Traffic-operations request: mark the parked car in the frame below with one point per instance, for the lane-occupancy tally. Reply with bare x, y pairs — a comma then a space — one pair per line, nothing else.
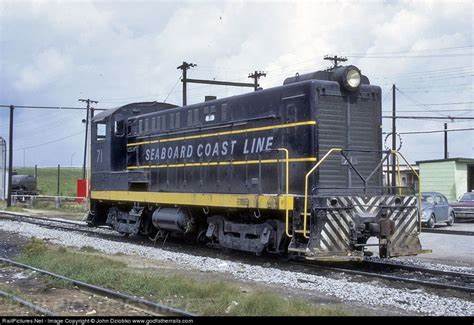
435, 209
464, 208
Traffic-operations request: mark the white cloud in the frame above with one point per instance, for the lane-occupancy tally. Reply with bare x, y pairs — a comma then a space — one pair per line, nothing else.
54, 52
49, 66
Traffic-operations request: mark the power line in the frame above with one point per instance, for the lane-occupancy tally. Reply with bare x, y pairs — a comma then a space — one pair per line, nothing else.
438, 110
422, 50
408, 56
433, 131
49, 142
424, 106
53, 107
460, 68
443, 104
431, 117
177, 81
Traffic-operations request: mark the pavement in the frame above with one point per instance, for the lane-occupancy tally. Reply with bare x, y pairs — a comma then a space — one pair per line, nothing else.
449, 249
457, 250
460, 226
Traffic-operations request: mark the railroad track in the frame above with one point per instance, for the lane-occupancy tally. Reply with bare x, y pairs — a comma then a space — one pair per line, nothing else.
414, 268
32, 306
81, 224
54, 223
465, 281
375, 269
143, 304
448, 232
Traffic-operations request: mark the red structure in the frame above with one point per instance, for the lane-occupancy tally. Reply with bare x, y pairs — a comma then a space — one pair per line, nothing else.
82, 189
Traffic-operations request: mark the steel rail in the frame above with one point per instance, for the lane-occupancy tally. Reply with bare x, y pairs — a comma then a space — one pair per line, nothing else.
20, 215
55, 224
38, 309
162, 309
420, 269
448, 232
395, 278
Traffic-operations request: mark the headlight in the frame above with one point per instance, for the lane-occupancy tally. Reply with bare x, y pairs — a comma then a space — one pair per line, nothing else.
348, 77
353, 78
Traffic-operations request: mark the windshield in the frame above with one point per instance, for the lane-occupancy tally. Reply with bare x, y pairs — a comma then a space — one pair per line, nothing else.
467, 197
427, 199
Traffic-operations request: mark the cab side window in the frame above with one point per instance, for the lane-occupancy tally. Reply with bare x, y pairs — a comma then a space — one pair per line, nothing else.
119, 128
101, 131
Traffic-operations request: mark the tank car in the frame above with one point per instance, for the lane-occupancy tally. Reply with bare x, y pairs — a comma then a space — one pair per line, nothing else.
294, 169
23, 184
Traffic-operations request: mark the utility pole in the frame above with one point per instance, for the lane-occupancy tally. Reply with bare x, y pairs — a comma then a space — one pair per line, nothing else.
88, 101
185, 66
58, 184
335, 59
394, 138
446, 141
255, 76
10, 158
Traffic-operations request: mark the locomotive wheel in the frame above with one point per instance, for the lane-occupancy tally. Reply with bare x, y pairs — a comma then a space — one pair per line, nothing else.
201, 238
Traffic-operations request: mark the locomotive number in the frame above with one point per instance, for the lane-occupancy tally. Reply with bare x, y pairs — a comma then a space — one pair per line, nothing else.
99, 159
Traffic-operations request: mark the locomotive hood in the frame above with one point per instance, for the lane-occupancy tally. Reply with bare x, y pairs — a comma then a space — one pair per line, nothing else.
132, 109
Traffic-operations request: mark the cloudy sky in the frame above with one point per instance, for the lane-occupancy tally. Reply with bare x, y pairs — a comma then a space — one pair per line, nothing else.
55, 52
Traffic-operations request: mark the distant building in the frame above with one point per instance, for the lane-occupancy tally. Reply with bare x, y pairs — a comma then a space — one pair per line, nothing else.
451, 177
407, 177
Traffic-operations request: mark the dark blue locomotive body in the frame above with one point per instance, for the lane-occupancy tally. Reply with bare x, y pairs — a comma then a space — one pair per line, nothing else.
242, 170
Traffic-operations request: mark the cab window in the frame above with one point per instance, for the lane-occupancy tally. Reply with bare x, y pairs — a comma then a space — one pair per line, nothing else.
101, 131
119, 128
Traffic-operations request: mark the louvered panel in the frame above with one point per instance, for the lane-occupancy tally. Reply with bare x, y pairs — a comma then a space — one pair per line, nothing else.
350, 126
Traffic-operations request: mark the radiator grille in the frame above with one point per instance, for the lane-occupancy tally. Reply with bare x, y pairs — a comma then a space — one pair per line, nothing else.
352, 125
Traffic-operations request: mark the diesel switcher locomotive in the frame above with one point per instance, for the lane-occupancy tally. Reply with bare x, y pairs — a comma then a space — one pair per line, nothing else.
295, 169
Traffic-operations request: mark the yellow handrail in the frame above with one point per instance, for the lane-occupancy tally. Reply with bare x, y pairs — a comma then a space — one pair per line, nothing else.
287, 185
306, 186
419, 186
399, 178
396, 153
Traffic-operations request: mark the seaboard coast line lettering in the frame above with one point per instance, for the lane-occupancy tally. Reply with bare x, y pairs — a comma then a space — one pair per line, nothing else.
214, 149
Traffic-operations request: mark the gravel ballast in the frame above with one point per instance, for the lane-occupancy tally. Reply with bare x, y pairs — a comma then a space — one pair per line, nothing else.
367, 293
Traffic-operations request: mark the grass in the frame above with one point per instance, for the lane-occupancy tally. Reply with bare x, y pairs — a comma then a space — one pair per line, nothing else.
3, 206
48, 178
65, 206
204, 297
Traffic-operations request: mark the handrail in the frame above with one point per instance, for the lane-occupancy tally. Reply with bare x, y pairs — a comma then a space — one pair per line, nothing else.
287, 189
419, 186
305, 213
397, 161
399, 177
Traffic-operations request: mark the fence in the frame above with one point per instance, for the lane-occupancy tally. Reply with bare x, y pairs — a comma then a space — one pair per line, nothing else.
67, 203
56, 188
